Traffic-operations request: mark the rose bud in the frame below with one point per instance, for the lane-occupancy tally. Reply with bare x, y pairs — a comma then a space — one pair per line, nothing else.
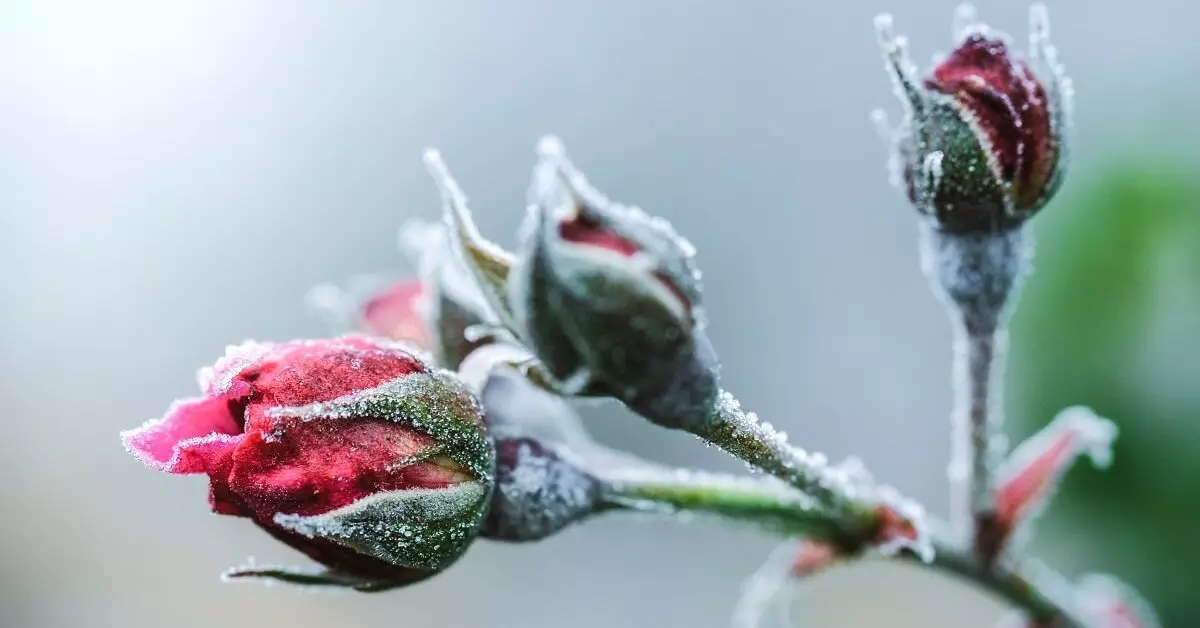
981, 147
1026, 482
606, 297
609, 299
351, 450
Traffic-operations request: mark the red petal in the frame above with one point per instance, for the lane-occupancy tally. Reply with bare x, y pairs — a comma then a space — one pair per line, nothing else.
311, 467
395, 313
582, 230
1010, 105
189, 439
303, 372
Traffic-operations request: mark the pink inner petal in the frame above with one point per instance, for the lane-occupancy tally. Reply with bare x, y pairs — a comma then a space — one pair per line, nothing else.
192, 432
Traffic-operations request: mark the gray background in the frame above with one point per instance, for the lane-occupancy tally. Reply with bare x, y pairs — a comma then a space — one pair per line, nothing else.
174, 176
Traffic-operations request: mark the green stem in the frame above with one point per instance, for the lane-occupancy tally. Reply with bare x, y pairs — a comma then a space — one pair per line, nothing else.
760, 445
757, 501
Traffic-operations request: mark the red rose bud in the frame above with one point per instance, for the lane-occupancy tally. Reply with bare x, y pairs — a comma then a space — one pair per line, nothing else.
608, 299
981, 147
546, 463
1026, 482
351, 450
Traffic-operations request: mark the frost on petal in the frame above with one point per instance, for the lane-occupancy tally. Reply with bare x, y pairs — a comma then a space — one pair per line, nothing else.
189, 438
1029, 478
1109, 603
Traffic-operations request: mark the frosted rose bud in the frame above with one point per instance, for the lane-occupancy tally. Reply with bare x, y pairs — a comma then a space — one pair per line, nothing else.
981, 147
606, 297
351, 450
609, 299
1026, 482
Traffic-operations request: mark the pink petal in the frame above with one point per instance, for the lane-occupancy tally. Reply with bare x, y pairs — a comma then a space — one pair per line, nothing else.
187, 438
396, 313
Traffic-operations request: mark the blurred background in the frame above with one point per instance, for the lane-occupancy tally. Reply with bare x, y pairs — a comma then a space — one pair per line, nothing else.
175, 175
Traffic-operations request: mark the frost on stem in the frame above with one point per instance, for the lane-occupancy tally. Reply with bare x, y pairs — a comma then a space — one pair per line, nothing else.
976, 276
878, 516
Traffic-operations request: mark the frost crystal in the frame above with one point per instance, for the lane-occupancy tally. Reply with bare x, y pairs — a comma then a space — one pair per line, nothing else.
419, 527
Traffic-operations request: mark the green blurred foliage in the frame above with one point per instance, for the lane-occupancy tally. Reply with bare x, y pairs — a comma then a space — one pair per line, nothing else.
1111, 319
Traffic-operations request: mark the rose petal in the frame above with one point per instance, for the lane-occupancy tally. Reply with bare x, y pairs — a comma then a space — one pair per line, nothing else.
187, 438
309, 467
396, 313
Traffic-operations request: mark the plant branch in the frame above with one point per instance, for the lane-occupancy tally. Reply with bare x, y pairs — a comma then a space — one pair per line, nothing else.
761, 502
765, 503
761, 446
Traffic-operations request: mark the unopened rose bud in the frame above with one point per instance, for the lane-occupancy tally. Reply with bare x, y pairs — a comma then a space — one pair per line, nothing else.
606, 297
547, 466
982, 144
351, 450
609, 299
1026, 482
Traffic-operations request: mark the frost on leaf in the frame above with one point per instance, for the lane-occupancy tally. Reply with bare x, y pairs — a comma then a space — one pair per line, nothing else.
1029, 478
488, 262
418, 528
